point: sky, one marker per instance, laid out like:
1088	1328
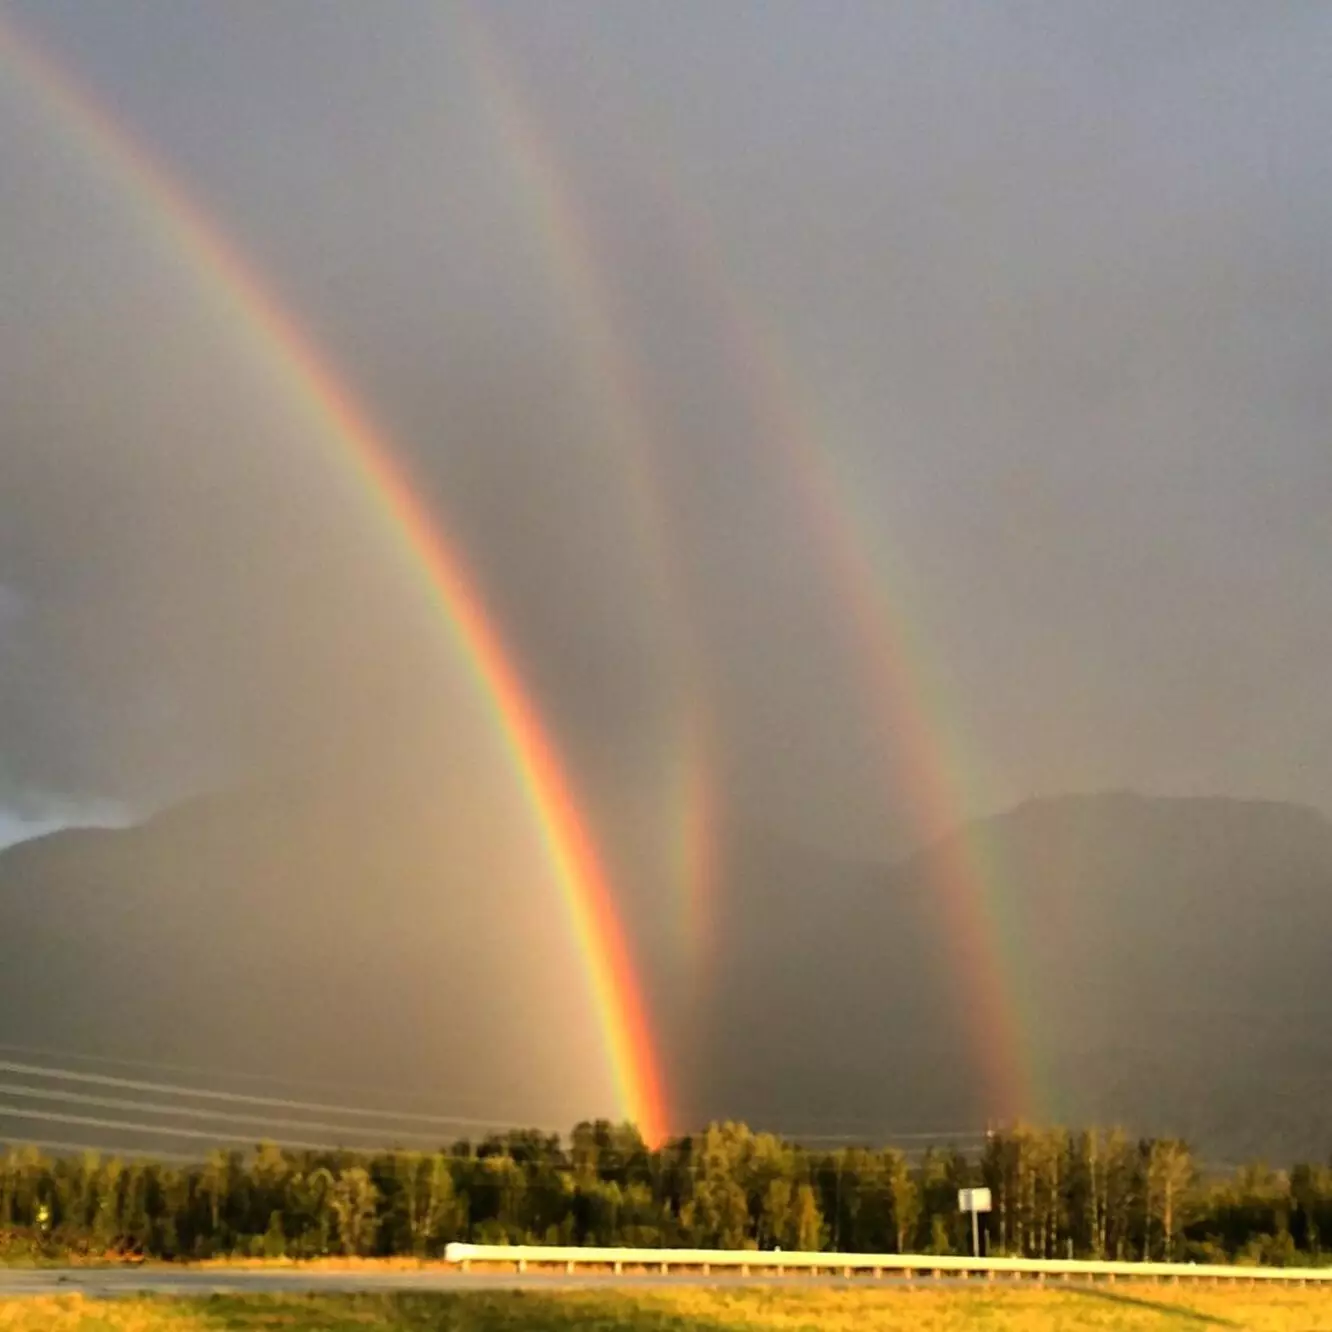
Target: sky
675	312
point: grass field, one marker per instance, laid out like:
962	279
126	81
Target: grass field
1125	1309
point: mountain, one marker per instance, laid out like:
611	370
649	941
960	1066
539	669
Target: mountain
1174	955
336	936
1162	962
824	1007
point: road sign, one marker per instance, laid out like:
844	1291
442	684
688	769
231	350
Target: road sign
974	1201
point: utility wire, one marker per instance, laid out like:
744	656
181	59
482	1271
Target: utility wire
87	1121
693	1169
28	1092
388	1137
239	1098
52	1145
872	1126
221	1075
944	1138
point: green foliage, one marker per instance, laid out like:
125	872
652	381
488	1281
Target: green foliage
1056	1194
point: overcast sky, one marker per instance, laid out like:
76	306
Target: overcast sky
1045	287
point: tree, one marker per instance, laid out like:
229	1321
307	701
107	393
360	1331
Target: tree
1088	1217
904	1198
353	1202
1094	1193
106	1229
1311	1197
808	1232
1123	1186
717	1213
1169	1173
311	1196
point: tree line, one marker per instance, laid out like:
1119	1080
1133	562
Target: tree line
1056	1194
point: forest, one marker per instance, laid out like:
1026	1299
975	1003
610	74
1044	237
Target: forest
1056	1193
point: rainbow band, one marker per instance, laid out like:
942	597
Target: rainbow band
614	380
911	720
910	714
312	382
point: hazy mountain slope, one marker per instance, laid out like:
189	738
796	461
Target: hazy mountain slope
1166	961
821	1008
1169	960
324	937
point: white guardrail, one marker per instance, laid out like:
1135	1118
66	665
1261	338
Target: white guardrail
744	1262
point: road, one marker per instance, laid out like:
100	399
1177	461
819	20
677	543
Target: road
111	1281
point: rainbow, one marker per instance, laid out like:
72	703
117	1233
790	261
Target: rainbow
316	388
912	716
912	719
615	384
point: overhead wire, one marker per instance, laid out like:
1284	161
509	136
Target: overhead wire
27	1092
449	1123
242	1098
165	1130
56	1145
222	1075
809	1130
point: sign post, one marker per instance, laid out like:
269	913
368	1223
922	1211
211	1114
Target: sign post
974	1201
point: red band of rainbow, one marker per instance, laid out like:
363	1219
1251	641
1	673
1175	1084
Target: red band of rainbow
311	379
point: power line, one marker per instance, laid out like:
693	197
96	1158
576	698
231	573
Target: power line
223	1075
943	1138
87	1121
872	1126
201	1135
810	1132
239	1098
53	1145
692	1169
194	1112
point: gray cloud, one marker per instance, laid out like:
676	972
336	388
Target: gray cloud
1052	283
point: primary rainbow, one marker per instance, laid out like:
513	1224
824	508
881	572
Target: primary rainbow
912	718
314	386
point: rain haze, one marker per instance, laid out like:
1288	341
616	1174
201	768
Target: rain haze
853	419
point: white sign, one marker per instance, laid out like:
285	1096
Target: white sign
973	1200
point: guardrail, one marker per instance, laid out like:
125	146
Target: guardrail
744	1262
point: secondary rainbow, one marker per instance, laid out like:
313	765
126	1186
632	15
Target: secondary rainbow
614	383
314	386
913	717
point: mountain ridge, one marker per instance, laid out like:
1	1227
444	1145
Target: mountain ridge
1166	955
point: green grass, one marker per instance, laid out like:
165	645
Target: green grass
1125	1309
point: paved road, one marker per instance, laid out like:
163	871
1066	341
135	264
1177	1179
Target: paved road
112	1281
208	1281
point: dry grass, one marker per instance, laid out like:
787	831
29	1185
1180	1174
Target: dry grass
1125	1309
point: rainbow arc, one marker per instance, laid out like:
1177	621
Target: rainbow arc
313	382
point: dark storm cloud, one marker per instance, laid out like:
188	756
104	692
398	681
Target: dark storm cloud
1052	280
